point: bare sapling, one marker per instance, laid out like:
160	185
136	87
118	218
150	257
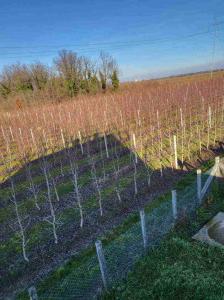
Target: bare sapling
52	218
105	142
117	185
11	133
209	125
80	142
96	183
135	177
116	155
32	187
148	170
22	228
74	172
102	160
55	188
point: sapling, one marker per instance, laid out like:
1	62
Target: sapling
149	172
117	186
22	228
102	159
73	168
32	187
96	183
52	218
105	142
135	177
80	142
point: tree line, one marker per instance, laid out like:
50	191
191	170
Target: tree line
70	75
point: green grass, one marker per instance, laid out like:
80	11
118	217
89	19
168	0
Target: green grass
179	268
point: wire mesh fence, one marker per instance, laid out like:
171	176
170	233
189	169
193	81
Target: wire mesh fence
111	262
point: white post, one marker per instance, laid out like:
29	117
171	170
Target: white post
134	143
210	178
174	204
217	160
32	293
63	139
80	142
105	142
175	150
210	117
199	184
102	262
143	226
217	171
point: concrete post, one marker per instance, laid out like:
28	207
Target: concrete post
143	226
175	151
102	262
32	293
174	204
199	185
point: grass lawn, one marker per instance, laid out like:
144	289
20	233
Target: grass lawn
179	268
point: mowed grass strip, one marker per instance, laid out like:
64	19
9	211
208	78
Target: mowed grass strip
180	268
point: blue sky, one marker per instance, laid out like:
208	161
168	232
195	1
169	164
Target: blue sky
149	38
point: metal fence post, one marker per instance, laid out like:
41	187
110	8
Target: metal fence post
102	262
143	226
32	293
199	184
174	204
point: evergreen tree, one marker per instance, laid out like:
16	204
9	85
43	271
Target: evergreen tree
115	80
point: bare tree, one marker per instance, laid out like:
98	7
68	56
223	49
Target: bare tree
39	74
106	68
16	78
69	67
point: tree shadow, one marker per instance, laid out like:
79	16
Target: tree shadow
125	184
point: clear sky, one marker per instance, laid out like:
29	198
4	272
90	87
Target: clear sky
147	37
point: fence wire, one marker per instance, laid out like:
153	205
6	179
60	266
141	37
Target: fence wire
85	281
